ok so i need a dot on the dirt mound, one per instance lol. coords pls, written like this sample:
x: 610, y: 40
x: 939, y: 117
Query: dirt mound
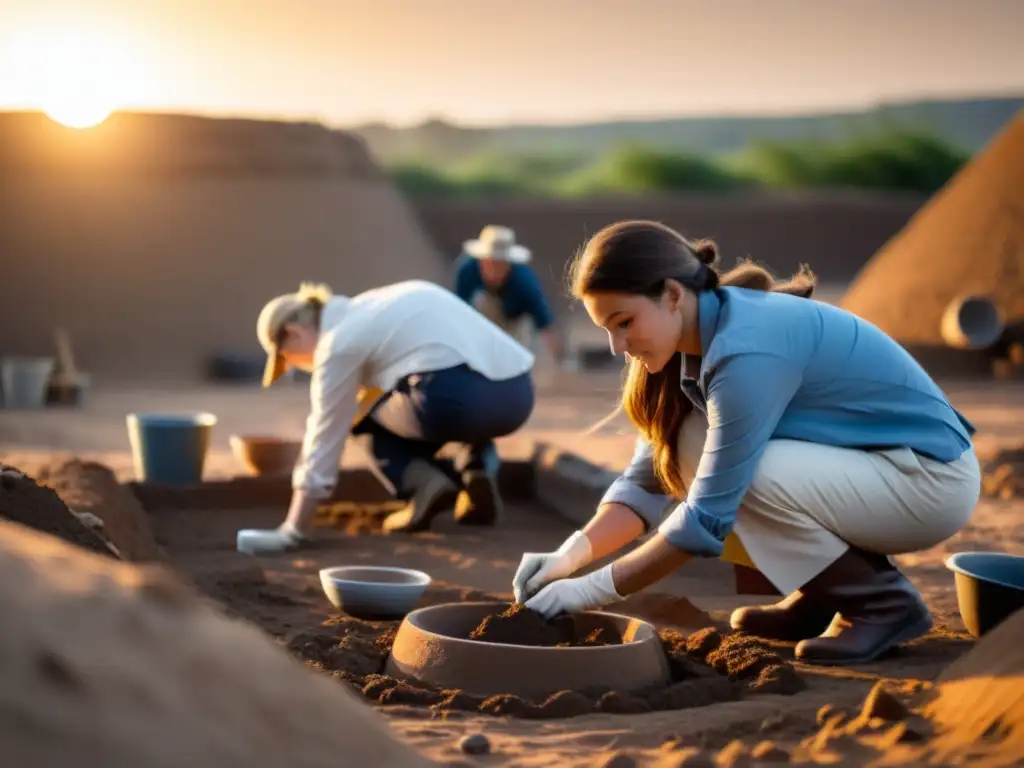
x: 518, y: 625
x: 24, y: 501
x: 105, y: 663
x: 974, y: 715
x: 1003, y: 475
x: 87, y: 486
x: 969, y: 238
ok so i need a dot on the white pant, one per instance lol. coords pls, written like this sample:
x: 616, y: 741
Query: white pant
x: 521, y: 328
x: 808, y: 502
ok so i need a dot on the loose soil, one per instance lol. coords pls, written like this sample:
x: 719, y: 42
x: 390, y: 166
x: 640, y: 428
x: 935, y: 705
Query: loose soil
x: 518, y: 625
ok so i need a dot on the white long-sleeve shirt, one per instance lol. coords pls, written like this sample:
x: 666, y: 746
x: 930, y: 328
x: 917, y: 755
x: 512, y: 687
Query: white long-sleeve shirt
x: 375, y: 339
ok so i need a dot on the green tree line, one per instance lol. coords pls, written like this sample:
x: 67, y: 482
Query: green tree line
x: 893, y: 161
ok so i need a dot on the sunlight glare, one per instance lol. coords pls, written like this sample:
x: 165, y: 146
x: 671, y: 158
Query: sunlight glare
x: 75, y: 76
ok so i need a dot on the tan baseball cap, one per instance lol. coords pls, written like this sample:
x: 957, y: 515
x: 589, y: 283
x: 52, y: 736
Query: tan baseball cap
x: 274, y: 315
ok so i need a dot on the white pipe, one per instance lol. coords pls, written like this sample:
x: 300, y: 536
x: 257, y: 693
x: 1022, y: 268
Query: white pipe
x: 971, y: 322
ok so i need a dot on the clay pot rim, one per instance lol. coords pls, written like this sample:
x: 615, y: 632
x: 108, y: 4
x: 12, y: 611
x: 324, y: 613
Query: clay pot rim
x: 411, y: 617
x: 420, y: 579
x: 172, y: 418
x: 263, y: 439
x: 966, y: 564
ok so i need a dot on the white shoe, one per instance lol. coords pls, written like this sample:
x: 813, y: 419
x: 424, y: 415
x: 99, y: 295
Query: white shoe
x: 252, y: 541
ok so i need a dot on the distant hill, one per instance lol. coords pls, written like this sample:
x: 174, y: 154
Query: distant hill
x: 967, y: 124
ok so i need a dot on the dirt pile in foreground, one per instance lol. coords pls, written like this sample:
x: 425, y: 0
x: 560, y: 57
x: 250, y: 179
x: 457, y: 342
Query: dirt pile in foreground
x: 24, y: 501
x: 973, y: 715
x: 105, y: 663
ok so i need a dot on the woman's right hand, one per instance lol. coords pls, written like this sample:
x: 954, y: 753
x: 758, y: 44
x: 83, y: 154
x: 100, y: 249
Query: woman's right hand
x: 538, y: 569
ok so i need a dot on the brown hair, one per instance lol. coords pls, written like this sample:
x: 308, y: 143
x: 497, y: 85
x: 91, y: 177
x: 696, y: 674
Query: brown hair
x: 638, y: 257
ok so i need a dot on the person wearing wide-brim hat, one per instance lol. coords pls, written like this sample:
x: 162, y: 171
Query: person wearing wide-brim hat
x: 413, y: 368
x: 493, y: 274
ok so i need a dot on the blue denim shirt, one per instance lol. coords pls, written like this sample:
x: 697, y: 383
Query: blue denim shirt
x: 521, y: 294
x: 779, y: 366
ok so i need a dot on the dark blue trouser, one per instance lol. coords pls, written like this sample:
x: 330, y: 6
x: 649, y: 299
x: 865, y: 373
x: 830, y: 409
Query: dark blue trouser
x: 454, y: 405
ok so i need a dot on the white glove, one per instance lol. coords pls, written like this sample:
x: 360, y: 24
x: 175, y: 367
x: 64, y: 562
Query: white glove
x: 252, y: 541
x: 585, y: 593
x: 537, y: 569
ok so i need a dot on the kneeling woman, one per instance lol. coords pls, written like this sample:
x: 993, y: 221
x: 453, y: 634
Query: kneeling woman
x: 803, y: 431
x: 445, y: 374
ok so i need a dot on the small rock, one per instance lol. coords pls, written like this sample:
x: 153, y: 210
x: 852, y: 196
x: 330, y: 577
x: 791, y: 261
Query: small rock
x: 734, y: 755
x: 475, y: 744
x: 902, y: 733
x: 829, y: 712
x: 778, y: 678
x: 769, y: 752
x: 881, y: 703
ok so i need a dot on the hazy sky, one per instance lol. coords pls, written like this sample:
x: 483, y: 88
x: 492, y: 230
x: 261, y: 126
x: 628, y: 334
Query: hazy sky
x: 485, y: 61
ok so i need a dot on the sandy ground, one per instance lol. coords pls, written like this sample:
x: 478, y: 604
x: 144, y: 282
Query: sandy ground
x: 460, y: 559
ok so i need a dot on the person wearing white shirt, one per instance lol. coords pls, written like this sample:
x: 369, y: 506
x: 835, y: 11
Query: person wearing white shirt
x: 413, y: 368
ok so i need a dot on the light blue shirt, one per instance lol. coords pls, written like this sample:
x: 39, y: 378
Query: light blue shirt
x: 780, y: 366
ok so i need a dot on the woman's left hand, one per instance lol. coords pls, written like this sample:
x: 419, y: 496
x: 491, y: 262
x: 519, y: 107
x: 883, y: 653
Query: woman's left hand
x: 584, y: 593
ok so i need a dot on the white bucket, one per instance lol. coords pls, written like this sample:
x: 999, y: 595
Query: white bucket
x: 25, y: 381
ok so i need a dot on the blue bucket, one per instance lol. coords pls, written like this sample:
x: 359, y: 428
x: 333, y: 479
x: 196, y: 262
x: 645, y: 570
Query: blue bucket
x: 170, y: 449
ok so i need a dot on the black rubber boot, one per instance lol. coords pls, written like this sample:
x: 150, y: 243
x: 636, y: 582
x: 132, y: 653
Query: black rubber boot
x: 878, y: 608
x: 798, y: 617
x: 429, y: 491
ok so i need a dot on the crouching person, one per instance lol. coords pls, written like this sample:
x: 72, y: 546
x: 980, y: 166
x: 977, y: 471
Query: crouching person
x: 797, y: 435
x: 442, y: 374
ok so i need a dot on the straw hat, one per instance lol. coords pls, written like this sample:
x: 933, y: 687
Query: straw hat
x: 497, y: 243
x: 273, y: 317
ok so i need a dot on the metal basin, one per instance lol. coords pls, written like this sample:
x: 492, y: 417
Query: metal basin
x: 431, y: 648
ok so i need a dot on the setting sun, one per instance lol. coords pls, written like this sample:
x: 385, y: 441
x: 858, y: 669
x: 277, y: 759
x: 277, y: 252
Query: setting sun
x: 77, y: 113
x: 76, y: 76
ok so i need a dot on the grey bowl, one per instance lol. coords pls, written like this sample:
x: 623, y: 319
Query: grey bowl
x: 374, y: 592
x: 989, y: 588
